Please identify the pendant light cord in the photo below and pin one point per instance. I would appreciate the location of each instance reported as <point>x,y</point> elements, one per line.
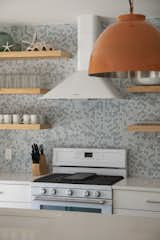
<point>131,5</point>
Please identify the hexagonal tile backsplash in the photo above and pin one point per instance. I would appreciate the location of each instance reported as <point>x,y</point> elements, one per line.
<point>76,123</point>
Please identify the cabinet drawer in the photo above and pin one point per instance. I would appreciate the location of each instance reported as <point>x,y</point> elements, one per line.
<point>137,213</point>
<point>20,205</point>
<point>15,193</point>
<point>148,201</point>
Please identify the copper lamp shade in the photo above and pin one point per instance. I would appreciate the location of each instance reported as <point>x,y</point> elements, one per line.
<point>130,44</point>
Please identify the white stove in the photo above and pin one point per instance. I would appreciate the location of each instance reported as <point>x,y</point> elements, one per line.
<point>82,180</point>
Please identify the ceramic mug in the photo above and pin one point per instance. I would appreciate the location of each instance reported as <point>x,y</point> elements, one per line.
<point>26,118</point>
<point>16,118</point>
<point>1,118</point>
<point>33,119</point>
<point>7,118</point>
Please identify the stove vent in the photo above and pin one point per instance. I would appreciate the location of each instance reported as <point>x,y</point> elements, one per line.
<point>79,85</point>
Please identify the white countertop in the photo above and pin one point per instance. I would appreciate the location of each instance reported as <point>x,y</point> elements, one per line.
<point>32,225</point>
<point>131,183</point>
<point>138,184</point>
<point>23,178</point>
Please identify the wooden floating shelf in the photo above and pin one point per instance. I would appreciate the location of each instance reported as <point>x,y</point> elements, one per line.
<point>144,128</point>
<point>23,91</point>
<point>144,89</point>
<point>23,126</point>
<point>34,54</point>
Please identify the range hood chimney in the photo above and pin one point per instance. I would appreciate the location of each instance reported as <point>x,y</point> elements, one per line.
<point>79,85</point>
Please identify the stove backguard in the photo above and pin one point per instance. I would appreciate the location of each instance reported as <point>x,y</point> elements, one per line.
<point>90,160</point>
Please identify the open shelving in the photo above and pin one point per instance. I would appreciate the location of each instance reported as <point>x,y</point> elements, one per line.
<point>155,127</point>
<point>23,91</point>
<point>15,55</point>
<point>144,89</point>
<point>24,126</point>
<point>34,54</point>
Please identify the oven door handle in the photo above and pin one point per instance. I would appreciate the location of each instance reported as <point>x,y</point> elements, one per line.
<point>75,200</point>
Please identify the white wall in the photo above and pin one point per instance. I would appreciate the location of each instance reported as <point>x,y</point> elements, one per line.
<point>51,11</point>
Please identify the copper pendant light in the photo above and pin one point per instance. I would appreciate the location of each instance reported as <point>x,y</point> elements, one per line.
<point>130,44</point>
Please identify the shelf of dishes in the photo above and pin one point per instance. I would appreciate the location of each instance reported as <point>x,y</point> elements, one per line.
<point>144,82</point>
<point>22,122</point>
<point>21,119</point>
<point>145,77</point>
<point>25,80</point>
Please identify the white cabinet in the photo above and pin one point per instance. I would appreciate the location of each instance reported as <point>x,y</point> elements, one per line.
<point>137,203</point>
<point>15,195</point>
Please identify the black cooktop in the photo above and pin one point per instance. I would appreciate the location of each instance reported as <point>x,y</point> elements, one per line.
<point>80,178</point>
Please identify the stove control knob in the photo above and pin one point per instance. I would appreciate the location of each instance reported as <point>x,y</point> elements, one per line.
<point>53,192</point>
<point>69,192</point>
<point>43,191</point>
<point>97,194</point>
<point>86,193</point>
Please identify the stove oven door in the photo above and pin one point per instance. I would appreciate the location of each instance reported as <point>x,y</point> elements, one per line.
<point>74,205</point>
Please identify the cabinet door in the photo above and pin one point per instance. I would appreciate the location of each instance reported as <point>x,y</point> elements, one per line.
<point>15,193</point>
<point>136,200</point>
<point>15,205</point>
<point>139,213</point>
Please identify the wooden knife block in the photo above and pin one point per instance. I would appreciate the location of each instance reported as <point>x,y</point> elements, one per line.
<point>43,165</point>
<point>35,169</point>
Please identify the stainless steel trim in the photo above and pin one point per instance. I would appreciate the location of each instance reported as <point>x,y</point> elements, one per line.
<point>78,200</point>
<point>153,202</point>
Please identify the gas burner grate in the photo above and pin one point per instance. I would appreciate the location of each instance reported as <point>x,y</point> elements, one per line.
<point>92,179</point>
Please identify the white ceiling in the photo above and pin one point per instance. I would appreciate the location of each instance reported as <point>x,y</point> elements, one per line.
<point>53,11</point>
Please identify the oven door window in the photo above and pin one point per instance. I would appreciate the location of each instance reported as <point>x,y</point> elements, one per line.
<point>71,209</point>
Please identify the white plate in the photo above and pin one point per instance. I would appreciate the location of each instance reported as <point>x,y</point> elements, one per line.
<point>148,81</point>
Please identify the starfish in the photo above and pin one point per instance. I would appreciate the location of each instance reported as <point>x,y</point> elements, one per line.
<point>7,47</point>
<point>34,40</point>
<point>35,44</point>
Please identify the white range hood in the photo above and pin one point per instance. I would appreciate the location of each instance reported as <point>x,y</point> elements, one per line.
<point>79,85</point>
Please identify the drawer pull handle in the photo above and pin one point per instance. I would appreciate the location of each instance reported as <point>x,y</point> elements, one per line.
<point>1,192</point>
<point>153,202</point>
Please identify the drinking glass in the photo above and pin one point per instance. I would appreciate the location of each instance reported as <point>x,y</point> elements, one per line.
<point>33,119</point>
<point>17,81</point>
<point>2,81</point>
<point>8,81</point>
<point>7,118</point>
